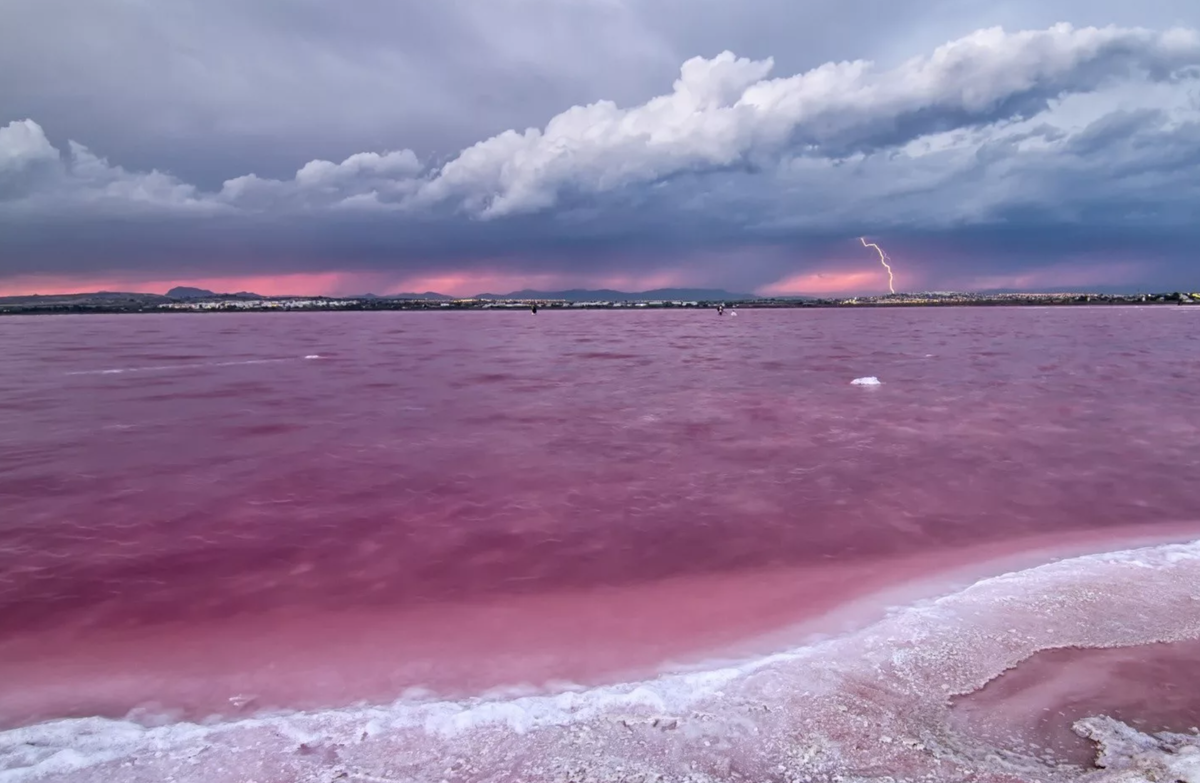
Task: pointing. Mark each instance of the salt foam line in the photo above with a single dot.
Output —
(868, 704)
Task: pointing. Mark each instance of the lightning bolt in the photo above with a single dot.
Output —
(882, 260)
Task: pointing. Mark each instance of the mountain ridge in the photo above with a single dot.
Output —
(189, 292)
(407, 295)
(612, 295)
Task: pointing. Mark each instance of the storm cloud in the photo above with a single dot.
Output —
(1065, 156)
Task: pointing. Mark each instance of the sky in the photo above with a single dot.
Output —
(463, 146)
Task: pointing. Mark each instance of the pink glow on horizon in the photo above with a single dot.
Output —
(1078, 274)
(470, 283)
(831, 281)
(311, 283)
(451, 282)
(31, 285)
(850, 279)
(672, 278)
(300, 284)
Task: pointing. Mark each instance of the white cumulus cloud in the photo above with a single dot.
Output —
(34, 175)
(23, 143)
(361, 179)
(989, 122)
(724, 112)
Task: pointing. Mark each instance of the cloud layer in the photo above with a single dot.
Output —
(993, 155)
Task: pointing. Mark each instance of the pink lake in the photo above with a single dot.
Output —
(209, 519)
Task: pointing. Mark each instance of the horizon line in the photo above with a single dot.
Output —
(485, 294)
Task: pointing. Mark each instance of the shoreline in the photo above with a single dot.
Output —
(336, 305)
(308, 659)
(812, 712)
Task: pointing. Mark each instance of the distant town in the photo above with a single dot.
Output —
(199, 300)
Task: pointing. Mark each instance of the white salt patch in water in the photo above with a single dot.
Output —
(1129, 755)
(871, 703)
(868, 381)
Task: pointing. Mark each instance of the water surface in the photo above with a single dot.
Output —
(231, 513)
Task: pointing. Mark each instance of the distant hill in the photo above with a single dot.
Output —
(426, 295)
(187, 292)
(608, 295)
(80, 298)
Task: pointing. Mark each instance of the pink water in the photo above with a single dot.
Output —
(220, 514)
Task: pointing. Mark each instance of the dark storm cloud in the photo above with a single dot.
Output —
(210, 89)
(207, 158)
